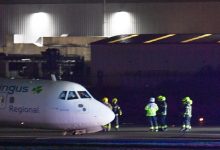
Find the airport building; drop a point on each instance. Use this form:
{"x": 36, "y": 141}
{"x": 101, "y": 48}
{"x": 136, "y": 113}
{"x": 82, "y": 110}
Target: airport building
{"x": 149, "y": 59}
{"x": 75, "y": 27}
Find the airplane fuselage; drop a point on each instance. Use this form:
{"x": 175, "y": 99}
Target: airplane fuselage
{"x": 49, "y": 104}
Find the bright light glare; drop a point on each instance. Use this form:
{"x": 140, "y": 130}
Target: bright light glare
{"x": 121, "y": 23}
{"x": 40, "y": 25}
{"x": 196, "y": 38}
{"x": 64, "y": 35}
{"x": 201, "y": 119}
{"x": 40, "y": 22}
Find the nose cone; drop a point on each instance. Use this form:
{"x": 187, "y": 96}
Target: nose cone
{"x": 104, "y": 114}
{"x": 107, "y": 117}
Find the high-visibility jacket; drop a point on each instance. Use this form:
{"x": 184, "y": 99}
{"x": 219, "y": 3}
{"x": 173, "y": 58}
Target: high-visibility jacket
{"x": 116, "y": 109}
{"x": 151, "y": 109}
{"x": 162, "y": 108}
{"x": 188, "y": 110}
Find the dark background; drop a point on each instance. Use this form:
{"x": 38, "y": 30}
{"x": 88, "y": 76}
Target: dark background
{"x": 203, "y": 88}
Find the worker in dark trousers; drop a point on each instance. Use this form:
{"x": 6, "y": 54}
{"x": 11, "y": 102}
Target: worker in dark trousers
{"x": 118, "y": 112}
{"x": 151, "y": 112}
{"x": 187, "y": 114}
{"x": 162, "y": 113}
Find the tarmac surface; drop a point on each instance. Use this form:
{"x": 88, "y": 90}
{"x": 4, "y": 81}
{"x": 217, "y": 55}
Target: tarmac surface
{"x": 132, "y": 138}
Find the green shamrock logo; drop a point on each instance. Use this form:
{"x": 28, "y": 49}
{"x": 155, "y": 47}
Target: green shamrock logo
{"x": 37, "y": 89}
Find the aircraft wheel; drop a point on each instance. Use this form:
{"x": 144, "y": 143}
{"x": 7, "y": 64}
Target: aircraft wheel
{"x": 65, "y": 133}
{"x": 74, "y": 133}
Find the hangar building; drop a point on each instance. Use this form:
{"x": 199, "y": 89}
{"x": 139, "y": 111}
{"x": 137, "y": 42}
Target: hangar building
{"x": 147, "y": 59}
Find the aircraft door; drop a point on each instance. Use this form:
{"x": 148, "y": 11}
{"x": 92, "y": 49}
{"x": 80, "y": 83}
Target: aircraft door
{"x": 3, "y": 97}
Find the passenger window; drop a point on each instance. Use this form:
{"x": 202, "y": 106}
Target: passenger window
{"x": 63, "y": 95}
{"x": 72, "y": 95}
{"x": 84, "y": 94}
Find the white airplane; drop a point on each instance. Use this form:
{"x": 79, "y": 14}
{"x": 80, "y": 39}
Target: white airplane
{"x": 51, "y": 105}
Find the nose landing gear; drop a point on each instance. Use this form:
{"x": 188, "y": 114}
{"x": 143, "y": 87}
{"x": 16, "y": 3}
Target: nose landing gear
{"x": 74, "y": 132}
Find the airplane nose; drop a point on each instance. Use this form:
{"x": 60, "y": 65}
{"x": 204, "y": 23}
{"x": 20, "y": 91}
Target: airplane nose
{"x": 105, "y": 115}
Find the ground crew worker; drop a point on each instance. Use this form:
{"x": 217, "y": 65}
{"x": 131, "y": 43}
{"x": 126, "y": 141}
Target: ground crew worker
{"x": 187, "y": 103}
{"x": 151, "y": 110}
{"x": 105, "y": 101}
{"x": 162, "y": 113}
{"x": 117, "y": 111}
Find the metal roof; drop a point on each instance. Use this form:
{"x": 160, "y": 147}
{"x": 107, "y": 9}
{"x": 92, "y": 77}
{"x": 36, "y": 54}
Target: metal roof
{"x": 162, "y": 39}
{"x": 93, "y": 1}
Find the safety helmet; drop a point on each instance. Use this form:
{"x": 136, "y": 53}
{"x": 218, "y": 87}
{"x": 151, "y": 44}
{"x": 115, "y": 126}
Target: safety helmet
{"x": 187, "y": 100}
{"x": 184, "y": 100}
{"x": 161, "y": 98}
{"x": 152, "y": 99}
{"x": 190, "y": 102}
{"x": 105, "y": 99}
{"x": 114, "y": 100}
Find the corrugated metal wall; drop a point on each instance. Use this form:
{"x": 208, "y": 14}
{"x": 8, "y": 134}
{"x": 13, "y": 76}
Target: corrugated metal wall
{"x": 191, "y": 17}
{"x": 87, "y": 19}
{"x": 75, "y": 19}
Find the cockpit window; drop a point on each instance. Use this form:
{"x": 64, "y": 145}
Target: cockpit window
{"x": 84, "y": 94}
{"x": 63, "y": 95}
{"x": 72, "y": 95}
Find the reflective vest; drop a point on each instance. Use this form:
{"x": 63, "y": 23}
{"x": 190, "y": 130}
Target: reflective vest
{"x": 162, "y": 108}
{"x": 151, "y": 109}
{"x": 116, "y": 109}
{"x": 188, "y": 110}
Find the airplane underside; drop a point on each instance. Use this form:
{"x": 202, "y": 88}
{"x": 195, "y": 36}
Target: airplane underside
{"x": 83, "y": 131}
